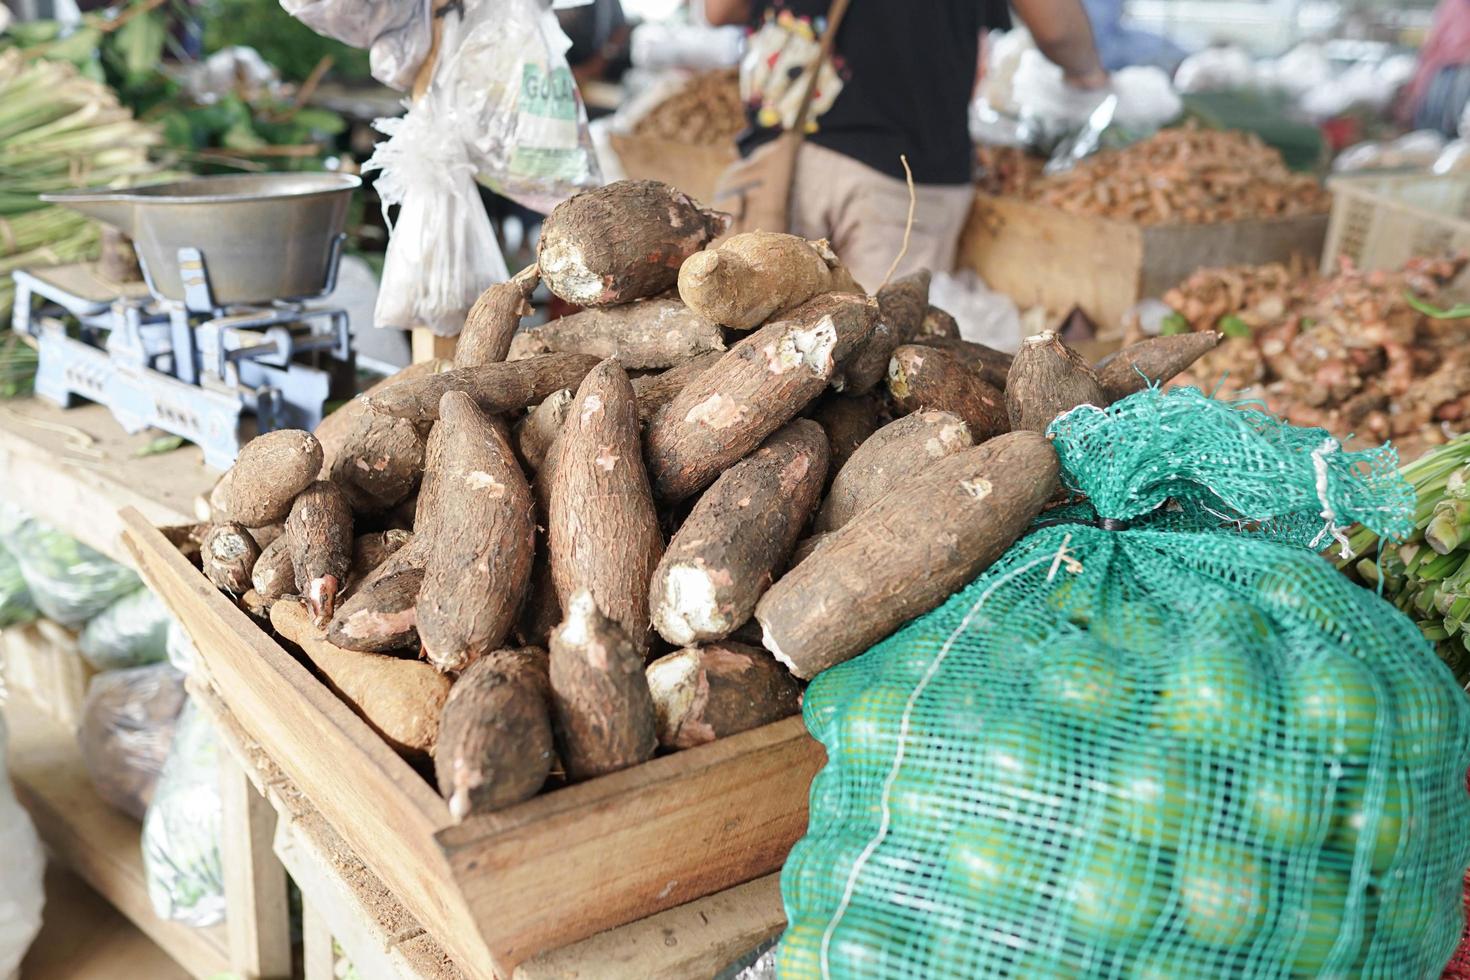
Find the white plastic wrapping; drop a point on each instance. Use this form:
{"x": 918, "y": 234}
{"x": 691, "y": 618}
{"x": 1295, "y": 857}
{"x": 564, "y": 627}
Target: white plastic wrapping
{"x": 442, "y": 252}
{"x": 397, "y": 33}
{"x": 983, "y": 315}
{"x": 1215, "y": 69}
{"x": 181, "y": 832}
{"x": 22, "y": 864}
{"x": 513, "y": 93}
{"x": 662, "y": 46}
{"x": 502, "y": 109}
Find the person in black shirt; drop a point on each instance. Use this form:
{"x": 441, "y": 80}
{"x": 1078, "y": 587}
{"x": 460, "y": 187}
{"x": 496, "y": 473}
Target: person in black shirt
{"x": 899, "y": 83}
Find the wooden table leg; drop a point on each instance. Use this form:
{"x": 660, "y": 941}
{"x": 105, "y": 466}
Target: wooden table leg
{"x": 426, "y": 346}
{"x": 257, "y": 916}
{"x": 316, "y": 939}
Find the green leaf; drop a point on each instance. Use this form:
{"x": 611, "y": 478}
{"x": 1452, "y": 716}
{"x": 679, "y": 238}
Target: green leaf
{"x": 1173, "y": 324}
{"x": 1233, "y": 326}
{"x": 163, "y": 444}
{"x": 242, "y": 136}
{"x": 1455, "y": 312}
{"x": 323, "y": 121}
{"x": 140, "y": 42}
{"x": 78, "y": 47}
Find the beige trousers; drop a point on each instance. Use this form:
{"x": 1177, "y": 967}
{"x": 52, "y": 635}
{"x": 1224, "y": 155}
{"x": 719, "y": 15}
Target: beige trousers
{"x": 862, "y": 212}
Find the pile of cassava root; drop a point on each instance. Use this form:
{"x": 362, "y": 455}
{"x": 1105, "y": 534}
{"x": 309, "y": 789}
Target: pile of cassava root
{"x": 545, "y": 568}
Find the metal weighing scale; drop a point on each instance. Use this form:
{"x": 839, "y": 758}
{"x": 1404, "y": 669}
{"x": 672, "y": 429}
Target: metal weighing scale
{"x": 222, "y": 324}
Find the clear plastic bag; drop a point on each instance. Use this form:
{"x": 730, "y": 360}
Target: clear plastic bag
{"x": 502, "y": 109}
{"x": 68, "y": 581}
{"x": 16, "y": 604}
{"x": 442, "y": 253}
{"x": 127, "y": 727}
{"x": 22, "y": 864}
{"x": 396, "y": 33}
{"x": 131, "y": 632}
{"x": 181, "y": 832}
{"x": 517, "y": 105}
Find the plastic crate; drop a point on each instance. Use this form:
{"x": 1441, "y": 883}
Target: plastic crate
{"x": 1380, "y": 222}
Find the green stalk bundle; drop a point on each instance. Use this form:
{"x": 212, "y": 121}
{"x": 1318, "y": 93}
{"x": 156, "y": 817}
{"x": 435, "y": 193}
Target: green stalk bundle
{"x": 1428, "y": 574}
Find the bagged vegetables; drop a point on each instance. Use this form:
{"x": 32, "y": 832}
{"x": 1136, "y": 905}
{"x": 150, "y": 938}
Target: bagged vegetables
{"x": 68, "y": 581}
{"x": 131, "y": 632}
{"x": 127, "y": 728}
{"x": 16, "y": 604}
{"x": 181, "y": 832}
{"x": 1159, "y": 738}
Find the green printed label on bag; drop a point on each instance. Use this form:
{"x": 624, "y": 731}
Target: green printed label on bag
{"x": 553, "y": 94}
{"x": 548, "y": 131}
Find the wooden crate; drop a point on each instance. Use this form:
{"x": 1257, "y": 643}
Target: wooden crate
{"x": 693, "y": 169}
{"x": 42, "y": 659}
{"x": 1040, "y": 255}
{"x": 503, "y": 887}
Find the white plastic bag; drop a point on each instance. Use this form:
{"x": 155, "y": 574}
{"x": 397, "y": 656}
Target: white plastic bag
{"x": 1146, "y": 98}
{"x": 502, "y": 108}
{"x": 661, "y": 46}
{"x": 397, "y": 33}
{"x": 442, "y": 251}
{"x": 181, "y": 832}
{"x": 22, "y": 864}
{"x": 983, "y": 315}
{"x": 514, "y": 100}
{"x": 1214, "y": 70}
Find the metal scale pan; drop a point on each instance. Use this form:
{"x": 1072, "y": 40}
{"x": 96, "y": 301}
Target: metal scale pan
{"x": 229, "y": 262}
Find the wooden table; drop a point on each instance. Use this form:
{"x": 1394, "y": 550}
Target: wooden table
{"x": 75, "y": 469}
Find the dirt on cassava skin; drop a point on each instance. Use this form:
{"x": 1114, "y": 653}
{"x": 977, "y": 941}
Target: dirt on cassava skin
{"x": 599, "y": 693}
{"x": 937, "y": 323}
{"x": 495, "y": 388}
{"x": 907, "y": 552}
{"x": 927, "y": 378}
{"x": 495, "y": 744}
{"x": 1047, "y": 379}
{"x": 651, "y": 333}
{"x": 380, "y": 617}
{"x": 990, "y": 364}
{"x": 333, "y": 430}
{"x": 654, "y": 391}
{"x": 602, "y": 531}
{"x": 491, "y": 323}
{"x": 268, "y": 474}
{"x": 400, "y": 699}
{"x": 320, "y": 529}
{"x": 893, "y": 455}
{"x": 482, "y": 537}
{"x": 534, "y": 434}
{"x": 761, "y": 384}
{"x": 848, "y": 421}
{"x": 228, "y": 555}
{"x": 1151, "y": 361}
{"x": 273, "y": 575}
{"x": 901, "y": 306}
{"x": 379, "y": 463}
{"x": 738, "y": 537}
{"x": 622, "y": 242}
{"x": 709, "y": 692}
{"x": 751, "y": 277}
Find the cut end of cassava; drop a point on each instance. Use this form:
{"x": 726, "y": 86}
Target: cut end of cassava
{"x": 581, "y": 612}
{"x": 690, "y": 610}
{"x": 897, "y": 378}
{"x": 563, "y": 262}
{"x": 809, "y": 348}
{"x": 1037, "y": 339}
{"x": 768, "y": 640}
{"x": 673, "y": 681}
{"x": 321, "y": 600}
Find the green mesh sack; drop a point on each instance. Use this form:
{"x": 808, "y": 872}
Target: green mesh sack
{"x": 1161, "y": 738}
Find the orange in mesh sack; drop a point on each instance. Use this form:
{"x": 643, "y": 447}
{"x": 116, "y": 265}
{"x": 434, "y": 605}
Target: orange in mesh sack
{"x": 1160, "y": 738}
